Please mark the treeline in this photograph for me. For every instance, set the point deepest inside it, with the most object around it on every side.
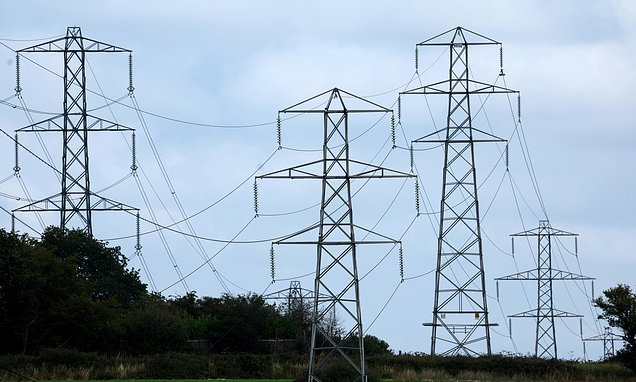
(67, 290)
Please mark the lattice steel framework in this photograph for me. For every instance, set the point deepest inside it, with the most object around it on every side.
(544, 275)
(608, 338)
(76, 201)
(460, 286)
(336, 281)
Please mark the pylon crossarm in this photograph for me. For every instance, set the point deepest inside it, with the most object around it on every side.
(434, 137)
(461, 32)
(555, 313)
(302, 171)
(534, 275)
(42, 205)
(100, 203)
(373, 171)
(312, 170)
(57, 124)
(442, 87)
(335, 93)
(59, 45)
(545, 231)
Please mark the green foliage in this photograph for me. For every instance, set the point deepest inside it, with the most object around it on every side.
(62, 291)
(231, 323)
(619, 309)
(154, 327)
(104, 269)
(372, 345)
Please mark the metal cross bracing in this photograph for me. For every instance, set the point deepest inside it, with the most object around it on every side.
(544, 275)
(76, 202)
(461, 325)
(608, 338)
(336, 283)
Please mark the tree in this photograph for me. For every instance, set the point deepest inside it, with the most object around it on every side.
(619, 309)
(155, 326)
(66, 289)
(103, 268)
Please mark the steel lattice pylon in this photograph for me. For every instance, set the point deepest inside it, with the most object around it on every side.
(336, 280)
(76, 201)
(545, 274)
(460, 286)
(608, 338)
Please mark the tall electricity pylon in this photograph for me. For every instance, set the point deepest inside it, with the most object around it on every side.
(336, 281)
(608, 338)
(460, 313)
(544, 275)
(76, 202)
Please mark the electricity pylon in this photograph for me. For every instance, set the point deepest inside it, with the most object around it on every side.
(336, 281)
(460, 283)
(544, 275)
(608, 338)
(76, 202)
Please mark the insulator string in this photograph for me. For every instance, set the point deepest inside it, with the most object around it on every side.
(12, 223)
(18, 88)
(519, 107)
(255, 197)
(138, 244)
(16, 168)
(393, 130)
(279, 133)
(401, 263)
(417, 61)
(417, 197)
(131, 88)
(507, 157)
(576, 246)
(399, 108)
(512, 239)
(411, 157)
(133, 166)
(501, 71)
(272, 263)
(497, 283)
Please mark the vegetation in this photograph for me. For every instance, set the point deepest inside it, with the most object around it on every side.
(70, 291)
(71, 308)
(619, 309)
